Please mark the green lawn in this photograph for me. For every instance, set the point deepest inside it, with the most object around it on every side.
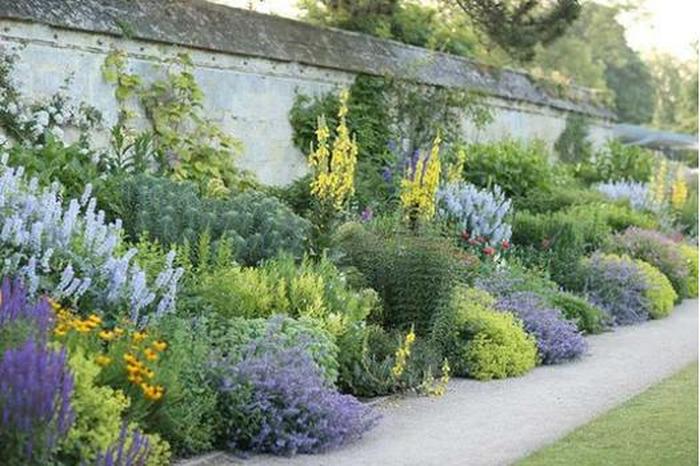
(658, 427)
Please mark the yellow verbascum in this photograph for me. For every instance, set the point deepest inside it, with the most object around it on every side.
(334, 169)
(658, 183)
(679, 189)
(403, 352)
(420, 184)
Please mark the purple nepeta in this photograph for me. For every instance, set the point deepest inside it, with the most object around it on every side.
(616, 285)
(281, 404)
(558, 339)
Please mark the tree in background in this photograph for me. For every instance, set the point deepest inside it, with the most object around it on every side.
(595, 52)
(676, 85)
(519, 26)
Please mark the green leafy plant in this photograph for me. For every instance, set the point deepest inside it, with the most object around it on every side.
(257, 226)
(659, 291)
(413, 275)
(479, 341)
(518, 168)
(186, 144)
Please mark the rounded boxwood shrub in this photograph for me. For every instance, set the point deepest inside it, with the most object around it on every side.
(480, 342)
(558, 339)
(659, 251)
(659, 291)
(617, 285)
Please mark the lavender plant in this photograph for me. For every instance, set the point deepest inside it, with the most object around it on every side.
(558, 339)
(73, 254)
(634, 192)
(15, 308)
(616, 285)
(480, 212)
(275, 400)
(35, 412)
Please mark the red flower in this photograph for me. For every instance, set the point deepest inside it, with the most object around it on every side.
(480, 239)
(505, 244)
(465, 235)
(489, 251)
(473, 242)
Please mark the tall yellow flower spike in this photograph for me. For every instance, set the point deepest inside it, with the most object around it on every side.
(420, 185)
(658, 183)
(679, 189)
(402, 354)
(454, 171)
(334, 170)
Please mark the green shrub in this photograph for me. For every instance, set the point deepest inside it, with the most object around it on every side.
(258, 226)
(618, 217)
(559, 240)
(186, 417)
(518, 168)
(230, 337)
(480, 342)
(588, 317)
(413, 275)
(659, 291)
(656, 249)
(557, 198)
(690, 253)
(370, 373)
(53, 161)
(618, 161)
(98, 413)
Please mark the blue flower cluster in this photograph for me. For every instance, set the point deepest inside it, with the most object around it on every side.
(558, 339)
(73, 253)
(481, 212)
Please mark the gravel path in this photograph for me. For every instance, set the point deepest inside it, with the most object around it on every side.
(494, 423)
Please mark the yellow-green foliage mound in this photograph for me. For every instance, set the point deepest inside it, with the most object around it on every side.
(481, 342)
(690, 253)
(659, 292)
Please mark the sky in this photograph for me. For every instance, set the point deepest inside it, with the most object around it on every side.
(667, 26)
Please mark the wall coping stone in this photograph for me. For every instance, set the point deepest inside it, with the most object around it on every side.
(202, 25)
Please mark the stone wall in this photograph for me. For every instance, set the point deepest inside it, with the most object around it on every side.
(250, 67)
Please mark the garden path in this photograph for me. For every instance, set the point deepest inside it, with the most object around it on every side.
(498, 422)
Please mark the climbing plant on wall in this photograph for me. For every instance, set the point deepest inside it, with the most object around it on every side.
(186, 145)
(392, 119)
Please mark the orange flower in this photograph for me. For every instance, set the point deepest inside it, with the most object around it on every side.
(150, 354)
(160, 345)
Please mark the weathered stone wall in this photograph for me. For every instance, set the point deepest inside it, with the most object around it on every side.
(250, 67)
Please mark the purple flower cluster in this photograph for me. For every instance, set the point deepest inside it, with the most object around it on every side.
(128, 450)
(284, 406)
(616, 285)
(658, 250)
(14, 307)
(558, 339)
(35, 391)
